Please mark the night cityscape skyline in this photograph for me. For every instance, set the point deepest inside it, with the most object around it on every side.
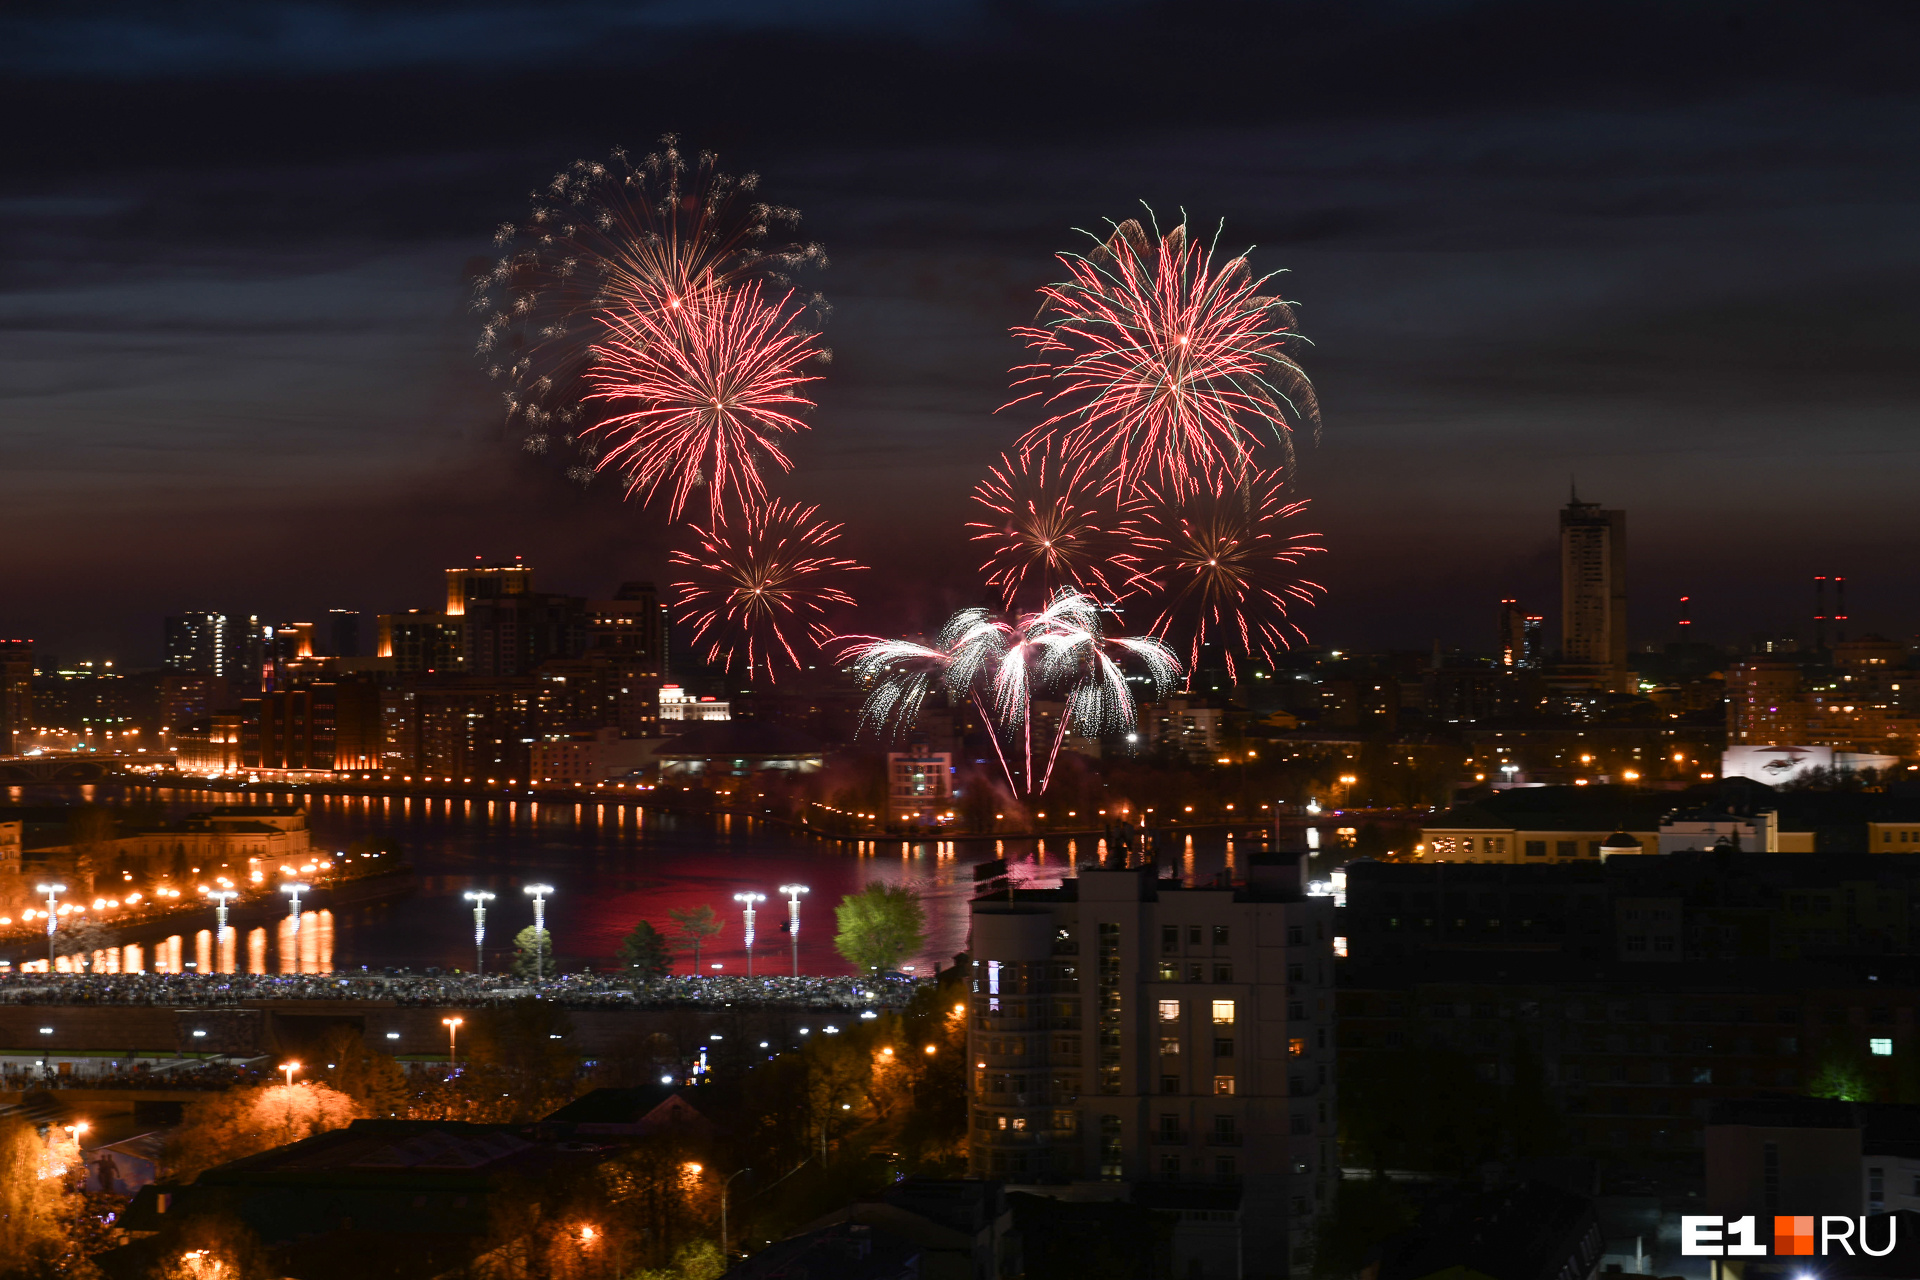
(1077, 640)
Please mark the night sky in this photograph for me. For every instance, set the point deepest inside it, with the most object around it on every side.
(1668, 248)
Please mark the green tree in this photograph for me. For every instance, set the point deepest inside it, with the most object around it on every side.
(645, 953)
(1841, 1075)
(880, 926)
(373, 1080)
(694, 925)
(697, 1260)
(532, 952)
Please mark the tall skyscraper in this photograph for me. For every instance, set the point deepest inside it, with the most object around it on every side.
(195, 642)
(16, 696)
(486, 582)
(1519, 637)
(1593, 591)
(343, 633)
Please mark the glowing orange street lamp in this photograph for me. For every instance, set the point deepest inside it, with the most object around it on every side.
(289, 1068)
(453, 1026)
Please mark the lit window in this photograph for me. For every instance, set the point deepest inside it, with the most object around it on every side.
(1296, 1048)
(1881, 1047)
(1170, 1011)
(1223, 1085)
(1223, 1012)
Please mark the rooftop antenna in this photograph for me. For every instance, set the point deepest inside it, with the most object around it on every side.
(1819, 611)
(1840, 608)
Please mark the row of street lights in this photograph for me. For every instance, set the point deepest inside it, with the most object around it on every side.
(748, 901)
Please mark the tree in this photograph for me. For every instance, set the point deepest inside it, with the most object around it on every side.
(36, 1199)
(245, 1122)
(373, 1080)
(697, 1260)
(1841, 1075)
(694, 926)
(532, 952)
(645, 953)
(880, 926)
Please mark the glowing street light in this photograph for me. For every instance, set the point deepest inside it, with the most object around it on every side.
(453, 1026)
(221, 897)
(479, 898)
(53, 892)
(289, 1068)
(794, 893)
(539, 892)
(746, 901)
(293, 890)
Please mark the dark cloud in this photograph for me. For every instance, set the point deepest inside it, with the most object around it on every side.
(1665, 247)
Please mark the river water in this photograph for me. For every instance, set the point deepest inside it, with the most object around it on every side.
(610, 865)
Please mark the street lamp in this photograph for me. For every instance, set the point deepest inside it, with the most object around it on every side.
(453, 1026)
(794, 892)
(479, 898)
(746, 901)
(220, 899)
(725, 1187)
(539, 894)
(294, 890)
(289, 1068)
(53, 892)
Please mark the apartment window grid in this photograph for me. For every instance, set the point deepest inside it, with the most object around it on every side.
(1109, 1011)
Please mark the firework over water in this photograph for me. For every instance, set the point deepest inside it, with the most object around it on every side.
(1003, 665)
(1162, 365)
(759, 590)
(713, 387)
(1221, 567)
(664, 233)
(1046, 527)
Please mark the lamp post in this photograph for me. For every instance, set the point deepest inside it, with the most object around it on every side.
(53, 892)
(746, 901)
(726, 1187)
(289, 1068)
(453, 1026)
(794, 892)
(539, 894)
(294, 890)
(479, 898)
(221, 897)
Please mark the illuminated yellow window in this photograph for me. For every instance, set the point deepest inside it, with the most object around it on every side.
(1223, 1012)
(1296, 1048)
(1169, 1011)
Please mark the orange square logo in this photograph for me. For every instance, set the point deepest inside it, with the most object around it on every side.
(1793, 1237)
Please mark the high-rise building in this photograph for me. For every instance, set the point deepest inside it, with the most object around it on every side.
(16, 694)
(343, 633)
(195, 642)
(485, 582)
(420, 643)
(1519, 637)
(511, 635)
(1593, 592)
(1132, 1030)
(248, 650)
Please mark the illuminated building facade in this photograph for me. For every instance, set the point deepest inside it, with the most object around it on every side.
(195, 642)
(16, 695)
(1133, 1031)
(919, 784)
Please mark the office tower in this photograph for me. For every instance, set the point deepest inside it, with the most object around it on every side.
(16, 695)
(246, 646)
(343, 633)
(486, 582)
(1519, 637)
(1593, 591)
(512, 634)
(420, 643)
(195, 642)
(1127, 1029)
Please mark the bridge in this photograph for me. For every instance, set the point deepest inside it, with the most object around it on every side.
(64, 767)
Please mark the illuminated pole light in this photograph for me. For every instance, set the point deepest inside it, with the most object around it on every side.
(539, 893)
(794, 893)
(53, 892)
(479, 898)
(220, 899)
(453, 1026)
(746, 901)
(289, 1068)
(293, 891)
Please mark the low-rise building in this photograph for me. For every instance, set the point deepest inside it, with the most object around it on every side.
(589, 756)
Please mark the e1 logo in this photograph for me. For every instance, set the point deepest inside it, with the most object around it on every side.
(1712, 1236)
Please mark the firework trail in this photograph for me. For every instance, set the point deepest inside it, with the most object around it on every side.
(716, 387)
(1046, 528)
(664, 233)
(1162, 364)
(753, 588)
(1221, 567)
(1003, 665)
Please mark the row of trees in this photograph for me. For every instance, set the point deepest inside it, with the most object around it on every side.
(878, 928)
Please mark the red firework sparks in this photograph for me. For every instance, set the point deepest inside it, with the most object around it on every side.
(1163, 365)
(1221, 568)
(1047, 528)
(663, 231)
(750, 584)
(716, 385)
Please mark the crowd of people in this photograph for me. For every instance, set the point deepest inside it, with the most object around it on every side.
(571, 990)
(136, 1075)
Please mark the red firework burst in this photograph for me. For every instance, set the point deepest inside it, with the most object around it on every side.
(1162, 365)
(749, 584)
(716, 386)
(1047, 528)
(1221, 568)
(665, 230)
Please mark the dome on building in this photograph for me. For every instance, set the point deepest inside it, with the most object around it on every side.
(1619, 842)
